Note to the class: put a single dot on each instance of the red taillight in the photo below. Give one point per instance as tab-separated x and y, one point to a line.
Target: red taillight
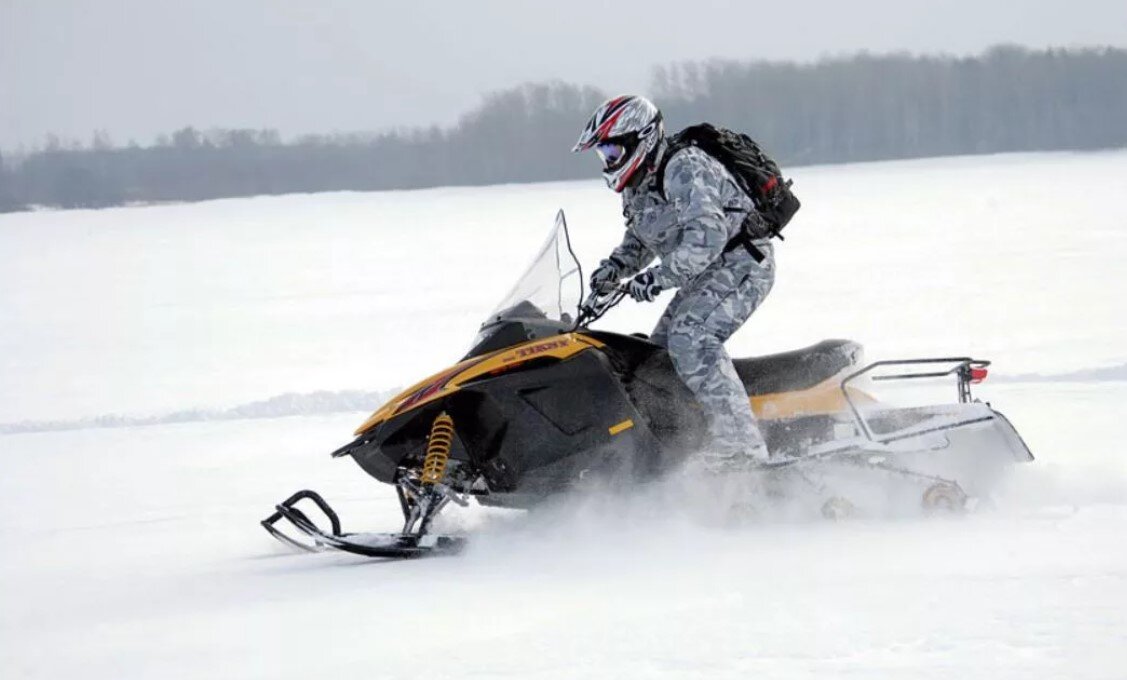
977	375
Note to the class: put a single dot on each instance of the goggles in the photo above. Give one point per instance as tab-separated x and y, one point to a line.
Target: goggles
611	153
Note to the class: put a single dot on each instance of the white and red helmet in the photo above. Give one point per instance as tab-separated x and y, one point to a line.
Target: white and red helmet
624	132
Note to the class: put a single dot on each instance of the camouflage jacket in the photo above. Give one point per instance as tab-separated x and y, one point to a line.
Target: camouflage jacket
688	228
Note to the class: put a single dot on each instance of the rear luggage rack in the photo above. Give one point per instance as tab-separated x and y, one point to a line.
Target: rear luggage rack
966	370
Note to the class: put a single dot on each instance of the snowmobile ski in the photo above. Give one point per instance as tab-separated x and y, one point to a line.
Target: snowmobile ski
388	545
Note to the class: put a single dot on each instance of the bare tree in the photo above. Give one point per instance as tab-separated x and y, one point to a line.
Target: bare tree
863	107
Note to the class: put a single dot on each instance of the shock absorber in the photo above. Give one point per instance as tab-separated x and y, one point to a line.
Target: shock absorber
438	449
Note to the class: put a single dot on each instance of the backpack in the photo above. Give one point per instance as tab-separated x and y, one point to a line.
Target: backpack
754	171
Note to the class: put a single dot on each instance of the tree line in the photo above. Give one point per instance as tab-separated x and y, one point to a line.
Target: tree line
856	108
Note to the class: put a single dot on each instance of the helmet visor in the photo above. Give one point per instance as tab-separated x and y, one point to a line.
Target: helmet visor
611	154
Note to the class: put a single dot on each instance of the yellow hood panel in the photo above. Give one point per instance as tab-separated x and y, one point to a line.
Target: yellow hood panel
447	382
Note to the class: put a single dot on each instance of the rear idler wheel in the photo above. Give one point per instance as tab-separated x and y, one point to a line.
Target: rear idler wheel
944	497
838	508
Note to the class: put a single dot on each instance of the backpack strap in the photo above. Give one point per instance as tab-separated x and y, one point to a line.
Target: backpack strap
672	146
742	239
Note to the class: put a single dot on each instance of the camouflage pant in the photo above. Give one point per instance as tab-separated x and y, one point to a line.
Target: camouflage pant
700	318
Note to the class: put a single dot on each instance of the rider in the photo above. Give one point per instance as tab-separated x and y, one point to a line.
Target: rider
692	222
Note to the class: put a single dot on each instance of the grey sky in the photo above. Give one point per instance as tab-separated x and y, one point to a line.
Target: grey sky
136	68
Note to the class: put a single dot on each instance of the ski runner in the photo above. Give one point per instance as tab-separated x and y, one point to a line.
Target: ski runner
688	211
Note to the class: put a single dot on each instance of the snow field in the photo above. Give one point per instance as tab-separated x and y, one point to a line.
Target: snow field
135	552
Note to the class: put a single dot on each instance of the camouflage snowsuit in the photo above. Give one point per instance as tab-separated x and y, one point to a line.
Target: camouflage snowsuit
688	229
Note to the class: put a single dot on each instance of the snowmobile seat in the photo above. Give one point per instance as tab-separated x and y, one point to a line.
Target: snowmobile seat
798	369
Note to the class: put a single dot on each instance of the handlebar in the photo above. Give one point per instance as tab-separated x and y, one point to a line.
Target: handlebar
598	304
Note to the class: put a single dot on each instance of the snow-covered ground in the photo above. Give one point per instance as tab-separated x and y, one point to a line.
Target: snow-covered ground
134	552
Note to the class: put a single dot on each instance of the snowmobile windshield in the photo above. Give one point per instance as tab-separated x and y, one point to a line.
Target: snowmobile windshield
550	287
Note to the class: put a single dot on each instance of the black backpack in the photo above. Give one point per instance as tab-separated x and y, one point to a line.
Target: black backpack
756	173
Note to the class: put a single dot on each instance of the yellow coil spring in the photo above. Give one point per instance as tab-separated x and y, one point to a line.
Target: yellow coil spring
438	449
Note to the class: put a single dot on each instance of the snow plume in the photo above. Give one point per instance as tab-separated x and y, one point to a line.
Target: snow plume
668	518
1075	432
1062	485
679	511
289	404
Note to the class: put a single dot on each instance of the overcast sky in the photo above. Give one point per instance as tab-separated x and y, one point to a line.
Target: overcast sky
136	68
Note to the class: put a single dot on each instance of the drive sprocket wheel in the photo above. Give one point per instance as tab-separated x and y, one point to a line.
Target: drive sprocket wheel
838	508
944	497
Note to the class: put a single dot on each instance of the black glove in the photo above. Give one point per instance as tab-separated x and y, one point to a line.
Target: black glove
606	276
642	287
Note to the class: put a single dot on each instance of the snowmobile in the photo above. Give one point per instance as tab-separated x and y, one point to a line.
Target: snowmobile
542	402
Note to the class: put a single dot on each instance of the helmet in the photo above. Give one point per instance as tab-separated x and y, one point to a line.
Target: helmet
624	131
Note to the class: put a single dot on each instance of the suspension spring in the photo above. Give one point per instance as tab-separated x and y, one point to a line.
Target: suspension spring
438	449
